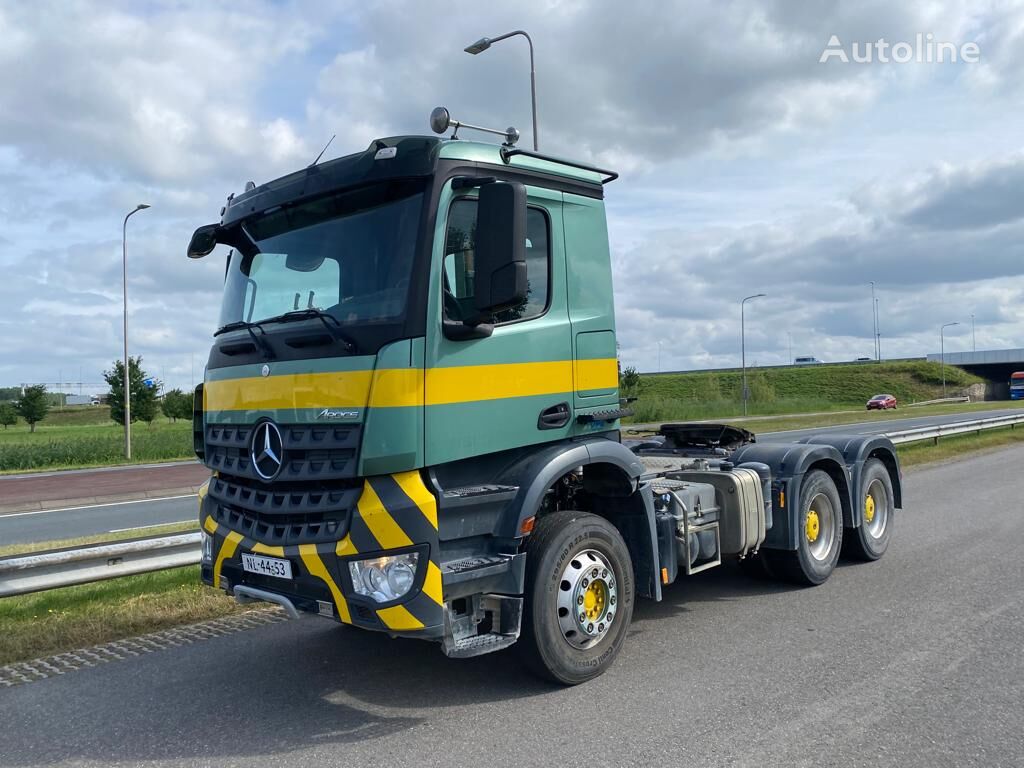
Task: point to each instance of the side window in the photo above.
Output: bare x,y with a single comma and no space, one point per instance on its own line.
460,240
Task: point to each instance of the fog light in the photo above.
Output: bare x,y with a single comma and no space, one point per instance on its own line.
384,578
207,551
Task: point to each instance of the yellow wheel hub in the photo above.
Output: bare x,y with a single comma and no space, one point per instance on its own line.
813,526
869,509
594,599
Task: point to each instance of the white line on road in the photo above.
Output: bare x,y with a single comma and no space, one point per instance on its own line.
146,527
97,506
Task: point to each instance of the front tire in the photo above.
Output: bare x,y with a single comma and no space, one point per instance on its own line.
579,597
820,533
871,539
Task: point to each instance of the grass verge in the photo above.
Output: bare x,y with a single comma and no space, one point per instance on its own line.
92,445
41,624
924,452
806,421
42,546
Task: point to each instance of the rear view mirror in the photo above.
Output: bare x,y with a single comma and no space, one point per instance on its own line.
500,259
203,241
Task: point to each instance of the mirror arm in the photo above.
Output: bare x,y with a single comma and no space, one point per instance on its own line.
459,331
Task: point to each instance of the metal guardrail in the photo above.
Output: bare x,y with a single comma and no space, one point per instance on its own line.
940,401
22,574
38,571
935,432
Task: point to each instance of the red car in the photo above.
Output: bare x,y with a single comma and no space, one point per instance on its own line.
881,402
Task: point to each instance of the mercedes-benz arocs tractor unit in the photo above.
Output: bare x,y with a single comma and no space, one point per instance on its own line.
411,415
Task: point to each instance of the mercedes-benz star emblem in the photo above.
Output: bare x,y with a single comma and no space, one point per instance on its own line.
267,450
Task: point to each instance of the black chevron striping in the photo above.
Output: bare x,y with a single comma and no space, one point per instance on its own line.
362,538
404,510
426,610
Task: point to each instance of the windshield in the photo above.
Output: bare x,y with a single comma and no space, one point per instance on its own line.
349,255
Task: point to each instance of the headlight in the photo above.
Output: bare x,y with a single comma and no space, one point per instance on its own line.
384,578
207,552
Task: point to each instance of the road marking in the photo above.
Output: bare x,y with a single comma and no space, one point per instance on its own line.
146,527
97,506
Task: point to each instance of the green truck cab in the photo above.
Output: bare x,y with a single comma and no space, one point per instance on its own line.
411,416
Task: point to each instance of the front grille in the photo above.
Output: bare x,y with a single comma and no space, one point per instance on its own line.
311,452
285,515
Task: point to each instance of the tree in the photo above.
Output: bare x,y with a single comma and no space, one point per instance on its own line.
144,403
33,405
177,405
8,416
629,382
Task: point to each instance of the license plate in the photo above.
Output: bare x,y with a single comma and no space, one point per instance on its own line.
267,566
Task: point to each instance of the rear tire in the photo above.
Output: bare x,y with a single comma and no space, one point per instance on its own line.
870,540
577,567
820,531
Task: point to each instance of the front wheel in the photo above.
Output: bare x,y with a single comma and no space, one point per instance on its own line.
820,533
579,597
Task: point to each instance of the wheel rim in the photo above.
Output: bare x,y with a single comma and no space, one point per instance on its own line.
588,598
820,527
876,509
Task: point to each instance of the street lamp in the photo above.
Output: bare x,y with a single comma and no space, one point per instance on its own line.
484,43
659,356
874,320
127,377
743,346
942,354
974,344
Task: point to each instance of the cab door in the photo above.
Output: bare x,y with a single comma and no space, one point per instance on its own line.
515,387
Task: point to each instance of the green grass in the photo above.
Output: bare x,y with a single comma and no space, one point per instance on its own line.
44,623
794,389
42,546
70,446
925,452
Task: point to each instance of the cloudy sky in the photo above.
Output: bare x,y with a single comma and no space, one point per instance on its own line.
747,165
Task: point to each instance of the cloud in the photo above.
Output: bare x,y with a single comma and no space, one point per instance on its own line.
746,165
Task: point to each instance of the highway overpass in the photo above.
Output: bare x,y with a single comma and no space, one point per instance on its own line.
995,365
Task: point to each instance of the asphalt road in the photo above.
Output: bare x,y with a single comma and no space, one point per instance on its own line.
48,525
911,661
22,528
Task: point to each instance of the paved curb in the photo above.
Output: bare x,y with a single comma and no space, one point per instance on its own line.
85,501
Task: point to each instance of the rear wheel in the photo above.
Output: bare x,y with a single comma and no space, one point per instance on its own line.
871,539
579,597
820,533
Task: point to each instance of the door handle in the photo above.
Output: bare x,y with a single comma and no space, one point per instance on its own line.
555,417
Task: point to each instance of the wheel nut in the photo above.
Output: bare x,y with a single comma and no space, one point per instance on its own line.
609,617
579,600
611,600
604,572
600,627
583,617
590,629
584,583
593,574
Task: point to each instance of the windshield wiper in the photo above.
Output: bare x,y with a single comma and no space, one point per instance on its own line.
259,341
323,317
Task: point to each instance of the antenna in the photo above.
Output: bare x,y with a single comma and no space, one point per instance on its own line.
322,151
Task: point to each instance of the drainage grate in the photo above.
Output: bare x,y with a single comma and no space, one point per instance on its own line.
119,650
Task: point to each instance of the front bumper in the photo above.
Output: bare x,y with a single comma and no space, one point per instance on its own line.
395,514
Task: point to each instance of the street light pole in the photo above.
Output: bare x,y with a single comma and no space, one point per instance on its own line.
878,332
942,354
743,347
874,320
659,357
127,378
484,43
974,345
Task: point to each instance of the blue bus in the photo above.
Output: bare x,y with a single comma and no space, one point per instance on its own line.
1017,385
